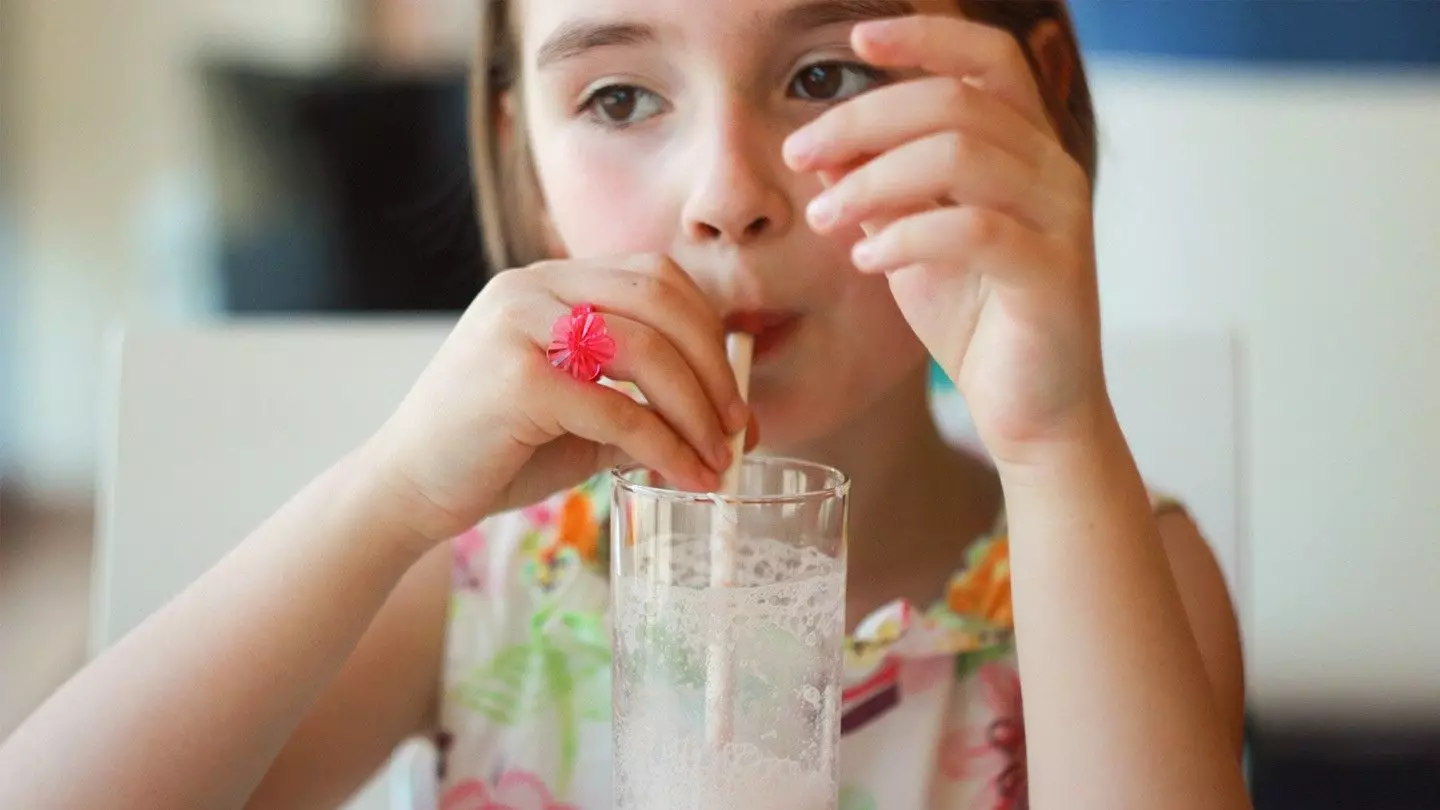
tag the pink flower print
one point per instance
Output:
(1000, 752)
(541, 514)
(515, 790)
(468, 566)
(923, 674)
(1004, 738)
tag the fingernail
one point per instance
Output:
(737, 416)
(865, 254)
(823, 212)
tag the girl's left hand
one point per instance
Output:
(978, 217)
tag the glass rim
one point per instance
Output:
(839, 488)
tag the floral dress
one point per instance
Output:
(931, 712)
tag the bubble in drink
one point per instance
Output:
(782, 625)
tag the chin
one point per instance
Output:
(794, 414)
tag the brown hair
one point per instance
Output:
(508, 190)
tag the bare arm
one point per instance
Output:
(387, 691)
(1120, 709)
(190, 709)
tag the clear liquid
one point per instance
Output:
(781, 630)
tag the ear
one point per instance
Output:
(1055, 59)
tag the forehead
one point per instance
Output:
(688, 22)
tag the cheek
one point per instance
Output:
(600, 205)
(886, 348)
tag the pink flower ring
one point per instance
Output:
(580, 343)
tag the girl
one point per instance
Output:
(738, 147)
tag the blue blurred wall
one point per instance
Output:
(1333, 32)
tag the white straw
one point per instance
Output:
(720, 669)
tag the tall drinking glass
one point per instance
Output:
(729, 630)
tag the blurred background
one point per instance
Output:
(1268, 167)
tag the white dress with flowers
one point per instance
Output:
(931, 712)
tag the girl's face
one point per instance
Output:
(657, 127)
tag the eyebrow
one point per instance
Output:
(820, 13)
(575, 38)
(578, 37)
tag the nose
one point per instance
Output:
(738, 197)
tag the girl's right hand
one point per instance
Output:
(491, 425)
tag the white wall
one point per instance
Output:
(9, 274)
(1302, 210)
(112, 187)
(112, 191)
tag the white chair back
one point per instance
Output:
(212, 428)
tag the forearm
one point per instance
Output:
(1118, 710)
(190, 708)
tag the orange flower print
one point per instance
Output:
(577, 527)
(983, 589)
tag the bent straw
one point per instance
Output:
(720, 670)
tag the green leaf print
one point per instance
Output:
(565, 653)
(496, 691)
(852, 798)
(967, 664)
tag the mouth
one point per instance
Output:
(771, 328)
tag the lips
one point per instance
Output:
(771, 328)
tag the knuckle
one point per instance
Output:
(669, 295)
(647, 343)
(952, 151)
(962, 148)
(657, 265)
(980, 226)
(953, 93)
(507, 283)
(1008, 51)
(514, 317)
(651, 288)
(513, 374)
(628, 419)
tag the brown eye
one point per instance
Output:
(820, 81)
(620, 105)
(834, 81)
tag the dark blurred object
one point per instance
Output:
(1330, 767)
(344, 191)
(1341, 33)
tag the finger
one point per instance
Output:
(647, 358)
(948, 167)
(870, 226)
(884, 119)
(965, 237)
(655, 292)
(608, 417)
(752, 434)
(953, 46)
